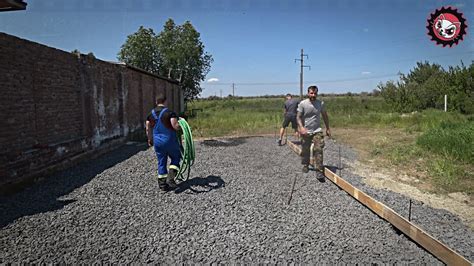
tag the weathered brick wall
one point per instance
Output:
(56, 105)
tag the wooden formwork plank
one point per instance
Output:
(296, 148)
(434, 246)
(441, 251)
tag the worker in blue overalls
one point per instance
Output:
(161, 127)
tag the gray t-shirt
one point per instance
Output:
(290, 106)
(311, 114)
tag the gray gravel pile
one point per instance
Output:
(233, 209)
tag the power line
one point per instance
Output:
(318, 81)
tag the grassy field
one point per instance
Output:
(436, 146)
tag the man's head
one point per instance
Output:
(288, 96)
(161, 98)
(312, 92)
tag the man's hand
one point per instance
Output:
(328, 132)
(303, 131)
(149, 132)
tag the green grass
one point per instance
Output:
(452, 139)
(230, 117)
(264, 115)
(453, 145)
(445, 173)
(401, 154)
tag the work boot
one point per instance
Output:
(320, 176)
(170, 179)
(279, 142)
(162, 184)
(305, 169)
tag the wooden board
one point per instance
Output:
(434, 246)
(296, 147)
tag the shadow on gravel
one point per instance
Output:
(223, 142)
(46, 195)
(332, 168)
(201, 185)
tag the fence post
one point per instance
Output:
(445, 103)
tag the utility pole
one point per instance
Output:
(221, 93)
(233, 90)
(301, 71)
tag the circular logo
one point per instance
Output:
(446, 26)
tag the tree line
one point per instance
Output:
(176, 52)
(425, 86)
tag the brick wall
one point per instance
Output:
(56, 105)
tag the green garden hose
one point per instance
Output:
(188, 152)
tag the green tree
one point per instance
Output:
(425, 86)
(422, 72)
(460, 88)
(177, 52)
(141, 50)
(183, 57)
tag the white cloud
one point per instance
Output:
(211, 80)
(366, 72)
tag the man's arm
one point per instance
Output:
(149, 133)
(174, 123)
(299, 120)
(326, 122)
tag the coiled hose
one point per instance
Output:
(188, 152)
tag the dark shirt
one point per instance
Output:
(165, 118)
(290, 106)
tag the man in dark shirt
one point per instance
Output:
(290, 116)
(161, 126)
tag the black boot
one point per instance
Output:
(170, 179)
(305, 168)
(162, 184)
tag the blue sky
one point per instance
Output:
(352, 45)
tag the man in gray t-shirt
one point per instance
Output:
(309, 125)
(289, 116)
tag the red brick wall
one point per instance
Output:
(55, 105)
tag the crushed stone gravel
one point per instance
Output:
(233, 209)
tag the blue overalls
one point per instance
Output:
(166, 144)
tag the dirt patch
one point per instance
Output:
(409, 182)
(457, 203)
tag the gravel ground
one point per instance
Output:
(233, 209)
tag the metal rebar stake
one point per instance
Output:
(292, 189)
(409, 211)
(340, 163)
